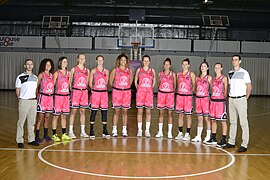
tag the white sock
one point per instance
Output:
(139, 126)
(70, 128)
(82, 128)
(199, 131)
(169, 127)
(125, 128)
(147, 126)
(114, 128)
(208, 133)
(160, 125)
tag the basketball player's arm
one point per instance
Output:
(71, 78)
(210, 83)
(195, 86)
(154, 78)
(136, 78)
(158, 79)
(91, 78)
(249, 88)
(107, 75)
(38, 83)
(193, 80)
(112, 75)
(225, 82)
(87, 79)
(55, 76)
(174, 81)
(131, 76)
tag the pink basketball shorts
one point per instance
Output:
(121, 98)
(202, 106)
(165, 101)
(184, 104)
(45, 103)
(79, 98)
(144, 99)
(61, 104)
(218, 110)
(99, 100)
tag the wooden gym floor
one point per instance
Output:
(132, 157)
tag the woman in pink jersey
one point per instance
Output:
(45, 92)
(61, 99)
(203, 82)
(79, 76)
(184, 99)
(120, 79)
(165, 99)
(98, 81)
(144, 96)
(218, 105)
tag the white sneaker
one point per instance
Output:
(124, 133)
(139, 134)
(206, 139)
(170, 135)
(186, 137)
(114, 133)
(197, 139)
(159, 135)
(179, 136)
(147, 134)
(84, 135)
(72, 135)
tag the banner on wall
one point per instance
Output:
(20, 42)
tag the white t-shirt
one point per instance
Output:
(27, 85)
(237, 81)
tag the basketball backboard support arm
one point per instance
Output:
(214, 21)
(56, 23)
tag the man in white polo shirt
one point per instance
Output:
(26, 84)
(240, 89)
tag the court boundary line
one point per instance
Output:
(136, 177)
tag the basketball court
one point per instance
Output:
(132, 157)
(180, 30)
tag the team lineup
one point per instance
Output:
(63, 92)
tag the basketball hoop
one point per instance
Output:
(135, 45)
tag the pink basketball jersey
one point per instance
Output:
(145, 80)
(184, 83)
(62, 83)
(46, 85)
(202, 86)
(218, 88)
(166, 82)
(79, 78)
(122, 78)
(100, 79)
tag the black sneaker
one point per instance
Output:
(227, 146)
(211, 142)
(33, 143)
(20, 145)
(242, 149)
(222, 143)
(105, 133)
(92, 134)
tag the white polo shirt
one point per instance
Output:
(237, 82)
(27, 85)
